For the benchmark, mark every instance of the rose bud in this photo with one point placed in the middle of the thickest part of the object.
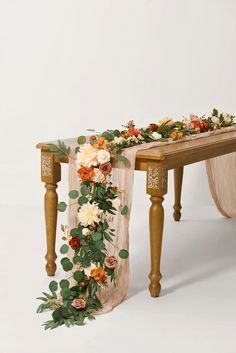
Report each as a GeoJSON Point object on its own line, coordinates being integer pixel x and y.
{"type": "Point", "coordinates": [74, 243]}
{"type": "Point", "coordinates": [153, 127]}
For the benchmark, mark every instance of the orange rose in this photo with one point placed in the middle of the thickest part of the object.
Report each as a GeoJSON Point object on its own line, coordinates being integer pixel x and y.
{"type": "Point", "coordinates": [206, 125]}
{"type": "Point", "coordinates": [176, 135]}
{"type": "Point", "coordinates": [100, 143]}
{"type": "Point", "coordinates": [133, 132]}
{"type": "Point", "coordinates": [85, 173]}
{"type": "Point", "coordinates": [197, 124]}
{"type": "Point", "coordinates": [105, 168]}
{"type": "Point", "coordinates": [98, 274]}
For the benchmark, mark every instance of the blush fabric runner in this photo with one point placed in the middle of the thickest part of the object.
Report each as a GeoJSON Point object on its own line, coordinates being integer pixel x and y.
{"type": "Point", "coordinates": [220, 171]}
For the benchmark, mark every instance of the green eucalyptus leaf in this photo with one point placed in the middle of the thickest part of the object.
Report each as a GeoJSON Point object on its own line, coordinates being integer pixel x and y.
{"type": "Point", "coordinates": [66, 264]}
{"type": "Point", "coordinates": [123, 254]}
{"type": "Point", "coordinates": [61, 206]}
{"type": "Point", "coordinates": [78, 276]}
{"type": "Point", "coordinates": [53, 286]}
{"type": "Point", "coordinates": [64, 283]}
{"type": "Point", "coordinates": [81, 140]}
{"type": "Point", "coordinates": [82, 200]}
{"type": "Point", "coordinates": [96, 236]}
{"type": "Point", "coordinates": [84, 190]}
{"type": "Point", "coordinates": [73, 194]}
{"type": "Point", "coordinates": [100, 245]}
{"type": "Point", "coordinates": [64, 249]}
{"type": "Point", "coordinates": [74, 232]}
{"type": "Point", "coordinates": [124, 210]}
{"type": "Point", "coordinates": [121, 158]}
{"type": "Point", "coordinates": [65, 293]}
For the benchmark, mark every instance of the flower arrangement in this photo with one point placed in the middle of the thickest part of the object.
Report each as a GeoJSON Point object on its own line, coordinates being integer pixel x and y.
{"type": "Point", "coordinates": [74, 299]}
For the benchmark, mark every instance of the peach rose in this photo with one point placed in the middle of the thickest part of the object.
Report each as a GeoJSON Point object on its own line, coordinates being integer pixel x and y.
{"type": "Point", "coordinates": [79, 303]}
{"type": "Point", "coordinates": [105, 168]}
{"type": "Point", "coordinates": [110, 261]}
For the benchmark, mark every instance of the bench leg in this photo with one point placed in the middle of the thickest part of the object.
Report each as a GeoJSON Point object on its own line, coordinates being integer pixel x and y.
{"type": "Point", "coordinates": [156, 187]}
{"type": "Point", "coordinates": [51, 175]}
{"type": "Point", "coordinates": [178, 178]}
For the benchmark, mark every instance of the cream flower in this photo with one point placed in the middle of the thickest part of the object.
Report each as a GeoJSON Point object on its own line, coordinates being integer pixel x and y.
{"type": "Point", "coordinates": [140, 137]}
{"type": "Point", "coordinates": [103, 156]}
{"type": "Point", "coordinates": [116, 203]}
{"type": "Point", "coordinates": [119, 140]}
{"type": "Point", "coordinates": [156, 136]}
{"type": "Point", "coordinates": [89, 214]}
{"type": "Point", "coordinates": [86, 231]}
{"type": "Point", "coordinates": [133, 139]}
{"type": "Point", "coordinates": [98, 176]}
{"type": "Point", "coordinates": [167, 121]}
{"type": "Point", "coordinates": [88, 270]}
{"type": "Point", "coordinates": [215, 119]}
{"type": "Point", "coordinates": [227, 118]}
{"type": "Point", "coordinates": [87, 156]}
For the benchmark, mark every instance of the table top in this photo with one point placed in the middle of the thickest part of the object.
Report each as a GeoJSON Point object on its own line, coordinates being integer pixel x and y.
{"type": "Point", "coordinates": [183, 152]}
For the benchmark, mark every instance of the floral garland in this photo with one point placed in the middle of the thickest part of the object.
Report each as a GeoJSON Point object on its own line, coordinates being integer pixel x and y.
{"type": "Point", "coordinates": [98, 200]}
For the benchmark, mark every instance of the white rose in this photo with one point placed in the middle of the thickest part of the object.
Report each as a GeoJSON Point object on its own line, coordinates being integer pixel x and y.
{"type": "Point", "coordinates": [140, 137]}
{"type": "Point", "coordinates": [227, 118]}
{"type": "Point", "coordinates": [88, 270]}
{"type": "Point", "coordinates": [98, 176]}
{"type": "Point", "coordinates": [119, 140]}
{"type": "Point", "coordinates": [133, 139]}
{"type": "Point", "coordinates": [215, 119]}
{"type": "Point", "coordinates": [116, 203]}
{"type": "Point", "coordinates": [89, 214]}
{"type": "Point", "coordinates": [156, 136]}
{"type": "Point", "coordinates": [86, 231]}
{"type": "Point", "coordinates": [103, 156]}
{"type": "Point", "coordinates": [87, 156]}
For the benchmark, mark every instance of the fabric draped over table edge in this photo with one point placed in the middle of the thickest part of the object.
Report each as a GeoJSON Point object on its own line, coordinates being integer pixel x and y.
{"type": "Point", "coordinates": [221, 186]}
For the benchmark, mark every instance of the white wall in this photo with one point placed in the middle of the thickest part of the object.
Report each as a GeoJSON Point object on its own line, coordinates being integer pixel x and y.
{"type": "Point", "coordinates": [70, 65]}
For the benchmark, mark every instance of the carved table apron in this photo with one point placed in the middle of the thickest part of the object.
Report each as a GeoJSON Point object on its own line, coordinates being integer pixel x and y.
{"type": "Point", "coordinates": [155, 162]}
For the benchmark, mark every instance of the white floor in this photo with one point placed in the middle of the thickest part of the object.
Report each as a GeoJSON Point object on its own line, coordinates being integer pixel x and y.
{"type": "Point", "coordinates": [195, 313]}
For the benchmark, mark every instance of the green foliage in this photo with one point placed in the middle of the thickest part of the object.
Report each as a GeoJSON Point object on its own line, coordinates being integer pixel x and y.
{"type": "Point", "coordinates": [81, 140]}
{"type": "Point", "coordinates": [64, 249]}
{"type": "Point", "coordinates": [53, 285]}
{"type": "Point", "coordinates": [78, 276]}
{"type": "Point", "coordinates": [61, 206]}
{"type": "Point", "coordinates": [96, 236]}
{"type": "Point", "coordinates": [82, 200]}
{"type": "Point", "coordinates": [66, 264]}
{"type": "Point", "coordinates": [60, 150]}
{"type": "Point", "coordinates": [123, 254]}
{"type": "Point", "coordinates": [73, 194]}
{"type": "Point", "coordinates": [84, 190]}
{"type": "Point", "coordinates": [124, 210]}
{"type": "Point", "coordinates": [121, 158]}
{"type": "Point", "coordinates": [64, 283]}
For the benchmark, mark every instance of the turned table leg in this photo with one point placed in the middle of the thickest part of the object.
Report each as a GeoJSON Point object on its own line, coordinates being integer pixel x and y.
{"type": "Point", "coordinates": [178, 178]}
{"type": "Point", "coordinates": [156, 187]}
{"type": "Point", "coordinates": [50, 174]}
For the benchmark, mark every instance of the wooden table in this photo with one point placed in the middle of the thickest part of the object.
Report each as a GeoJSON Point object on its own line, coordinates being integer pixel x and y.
{"type": "Point", "coordinates": [155, 162]}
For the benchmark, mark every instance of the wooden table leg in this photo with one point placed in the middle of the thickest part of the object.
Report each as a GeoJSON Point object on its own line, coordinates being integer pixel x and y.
{"type": "Point", "coordinates": [178, 178]}
{"type": "Point", "coordinates": [156, 187]}
{"type": "Point", "coordinates": [50, 174]}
